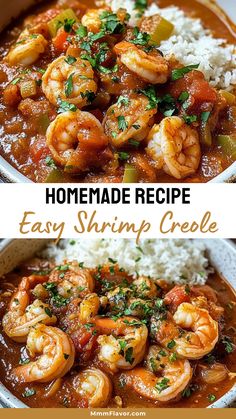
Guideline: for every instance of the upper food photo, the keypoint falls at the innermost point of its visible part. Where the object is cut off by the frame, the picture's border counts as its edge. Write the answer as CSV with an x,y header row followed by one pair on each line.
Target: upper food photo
x,y
118,91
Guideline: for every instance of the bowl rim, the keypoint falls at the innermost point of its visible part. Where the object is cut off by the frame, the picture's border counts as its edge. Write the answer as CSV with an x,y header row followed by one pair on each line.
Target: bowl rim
x,y
10,174
11,401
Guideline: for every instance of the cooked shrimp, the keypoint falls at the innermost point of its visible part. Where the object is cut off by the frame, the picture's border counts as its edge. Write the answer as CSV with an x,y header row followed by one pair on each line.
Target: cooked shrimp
x,y
204,333
91,19
196,341
71,280
173,376
55,355
93,385
27,49
174,147
151,67
89,307
21,316
128,119
122,343
73,130
145,287
69,82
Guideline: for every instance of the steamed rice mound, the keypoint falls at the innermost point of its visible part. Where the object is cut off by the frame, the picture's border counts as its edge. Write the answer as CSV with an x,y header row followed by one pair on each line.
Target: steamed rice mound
x,y
191,43
178,261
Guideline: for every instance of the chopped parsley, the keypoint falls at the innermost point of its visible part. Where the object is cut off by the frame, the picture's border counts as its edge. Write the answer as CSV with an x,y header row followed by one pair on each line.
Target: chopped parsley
x,y
128,356
122,101
178,73
66,356
65,106
122,123
211,398
133,142
23,361
48,311
140,5
70,60
81,32
88,95
141,38
88,326
228,344
56,299
69,85
111,23
162,385
112,260
123,155
29,392
189,119
171,344
173,357
122,344
150,93
183,96
68,25
50,162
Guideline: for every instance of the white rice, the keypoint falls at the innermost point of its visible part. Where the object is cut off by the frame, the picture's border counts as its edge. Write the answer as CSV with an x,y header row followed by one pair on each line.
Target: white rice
x,y
191,43
178,261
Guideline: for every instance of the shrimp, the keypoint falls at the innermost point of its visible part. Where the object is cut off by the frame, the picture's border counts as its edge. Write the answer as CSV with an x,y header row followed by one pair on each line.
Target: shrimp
x,y
173,376
122,342
71,280
71,82
74,131
145,287
89,307
151,67
91,19
27,49
197,341
174,147
55,355
93,385
21,316
129,118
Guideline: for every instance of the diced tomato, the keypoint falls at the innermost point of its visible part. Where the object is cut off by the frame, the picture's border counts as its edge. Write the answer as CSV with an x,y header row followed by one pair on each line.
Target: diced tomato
x,y
202,91
176,296
195,84
38,150
85,341
60,41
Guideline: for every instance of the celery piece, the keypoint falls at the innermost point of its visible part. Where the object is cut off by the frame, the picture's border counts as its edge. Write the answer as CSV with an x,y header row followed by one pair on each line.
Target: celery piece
x,y
55,176
58,21
130,174
229,97
158,28
228,145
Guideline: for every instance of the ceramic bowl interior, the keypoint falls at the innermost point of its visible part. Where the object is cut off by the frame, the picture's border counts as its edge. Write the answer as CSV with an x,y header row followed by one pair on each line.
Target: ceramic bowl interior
x,y
14,8
222,256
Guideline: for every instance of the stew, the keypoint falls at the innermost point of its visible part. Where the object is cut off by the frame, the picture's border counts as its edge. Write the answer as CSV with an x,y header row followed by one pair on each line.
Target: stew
x,y
77,337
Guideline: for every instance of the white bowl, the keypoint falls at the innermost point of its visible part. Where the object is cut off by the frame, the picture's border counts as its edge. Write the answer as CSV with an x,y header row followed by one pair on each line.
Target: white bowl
x,y
14,8
222,255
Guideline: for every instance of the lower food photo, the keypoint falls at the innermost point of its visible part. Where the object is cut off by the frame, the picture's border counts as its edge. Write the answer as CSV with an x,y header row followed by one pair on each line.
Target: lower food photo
x,y
109,323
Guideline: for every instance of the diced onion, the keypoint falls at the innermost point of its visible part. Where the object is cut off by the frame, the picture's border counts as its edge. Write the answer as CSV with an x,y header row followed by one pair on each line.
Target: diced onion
x,y
214,374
